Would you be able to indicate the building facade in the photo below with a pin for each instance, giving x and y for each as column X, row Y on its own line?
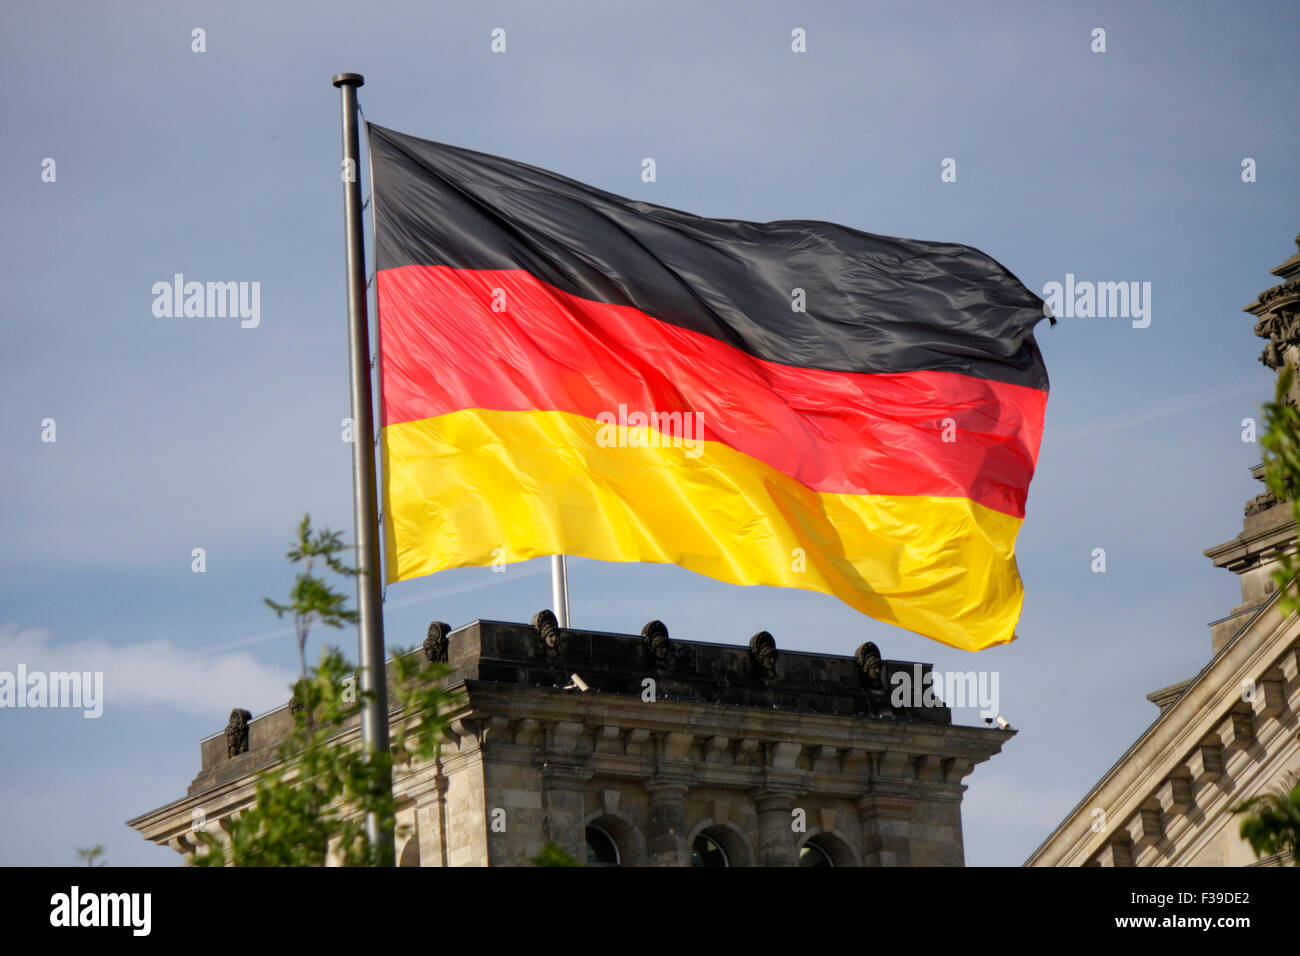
column 647, row 751
column 1230, row 732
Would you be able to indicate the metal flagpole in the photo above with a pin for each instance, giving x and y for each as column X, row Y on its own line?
column 370, row 630
column 560, row 589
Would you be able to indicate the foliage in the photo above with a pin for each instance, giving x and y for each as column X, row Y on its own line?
column 552, row 854
column 315, row 798
column 1281, row 442
column 91, row 853
column 311, row 597
column 1272, row 823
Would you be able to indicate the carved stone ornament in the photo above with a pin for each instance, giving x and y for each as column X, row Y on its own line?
column 548, row 631
column 1282, row 329
column 871, row 668
column 762, row 648
column 237, row 732
column 1278, row 309
column 1260, row 503
column 435, row 645
column 654, row 637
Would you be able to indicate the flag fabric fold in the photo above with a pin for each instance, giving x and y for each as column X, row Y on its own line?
column 566, row 371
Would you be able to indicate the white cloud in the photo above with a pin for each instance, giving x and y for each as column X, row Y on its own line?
column 152, row 673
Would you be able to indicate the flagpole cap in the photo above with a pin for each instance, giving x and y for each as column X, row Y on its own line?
column 349, row 79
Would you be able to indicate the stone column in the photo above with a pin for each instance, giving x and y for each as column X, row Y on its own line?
column 776, row 840
column 563, row 788
column 666, row 838
column 431, row 810
column 564, row 782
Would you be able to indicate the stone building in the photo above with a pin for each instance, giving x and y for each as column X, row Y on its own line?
column 648, row 751
column 1229, row 732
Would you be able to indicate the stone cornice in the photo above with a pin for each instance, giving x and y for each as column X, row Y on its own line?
column 811, row 731
column 517, row 655
column 578, row 736
column 1253, row 543
column 1272, row 297
column 173, row 823
column 1184, row 838
column 1203, row 713
column 572, row 706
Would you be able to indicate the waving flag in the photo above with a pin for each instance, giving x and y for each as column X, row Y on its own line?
column 566, row 371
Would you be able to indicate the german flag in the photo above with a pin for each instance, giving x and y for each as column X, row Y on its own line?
column 566, row 371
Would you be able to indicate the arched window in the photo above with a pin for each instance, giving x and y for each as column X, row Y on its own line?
column 812, row 854
column 719, row 844
column 706, row 851
column 601, row 848
column 826, row 848
column 410, row 853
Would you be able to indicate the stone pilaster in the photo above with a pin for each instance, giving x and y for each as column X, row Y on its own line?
column 431, row 826
column 563, row 788
column 776, row 837
column 564, row 783
column 666, row 836
column 886, row 828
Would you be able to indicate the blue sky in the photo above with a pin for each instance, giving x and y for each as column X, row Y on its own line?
column 176, row 433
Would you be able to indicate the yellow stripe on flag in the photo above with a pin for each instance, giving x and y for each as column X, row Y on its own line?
column 476, row 486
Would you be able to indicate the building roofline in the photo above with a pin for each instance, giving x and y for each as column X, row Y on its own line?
column 1150, row 730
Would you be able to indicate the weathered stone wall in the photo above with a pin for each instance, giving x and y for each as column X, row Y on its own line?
column 761, row 750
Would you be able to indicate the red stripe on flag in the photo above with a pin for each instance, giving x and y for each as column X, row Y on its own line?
column 452, row 339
